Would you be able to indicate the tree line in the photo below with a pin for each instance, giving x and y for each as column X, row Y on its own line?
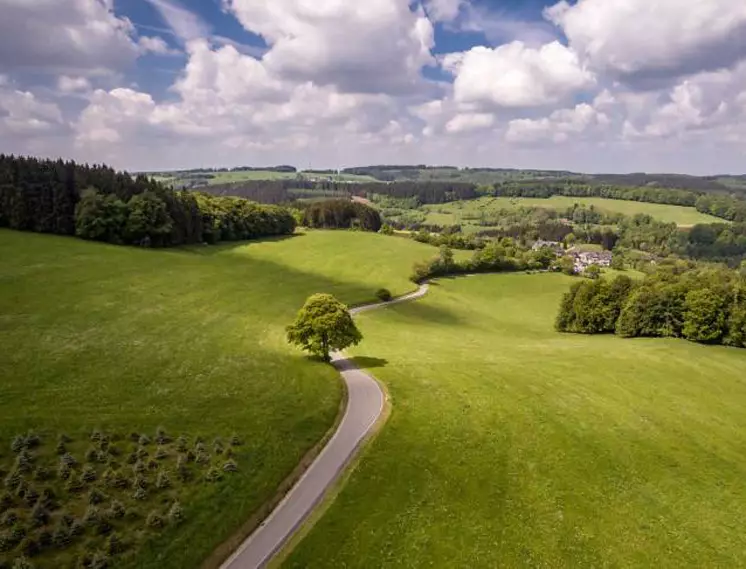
column 504, row 255
column 719, row 205
column 679, row 300
column 99, row 203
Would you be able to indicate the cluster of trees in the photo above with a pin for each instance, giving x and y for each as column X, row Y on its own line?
column 701, row 304
column 341, row 214
column 450, row 237
column 503, row 255
column 719, row 205
column 99, row 203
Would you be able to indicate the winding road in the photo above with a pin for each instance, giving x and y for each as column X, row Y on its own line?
column 365, row 402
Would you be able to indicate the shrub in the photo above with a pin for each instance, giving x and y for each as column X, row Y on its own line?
column 13, row 479
column 91, row 454
column 30, row 495
column 383, row 294
column 139, row 481
column 29, row 546
column 144, row 440
column 162, row 481
column 230, row 466
column 64, row 471
column 139, row 467
column 116, row 510
column 182, row 444
column 6, row 501
column 161, row 437
column 175, row 514
column 88, row 474
column 217, row 447
column 18, row 444
column 61, row 448
column 39, row 515
column 92, row 516
column 68, row 459
column 99, row 560
column 95, row 497
column 202, row 458
column 77, row 528
column 213, row 475
column 182, row 470
column 96, row 435
column 74, row 484
column 42, row 473
column 22, row 563
column 20, row 490
column 153, row 464
column 114, row 545
column 200, row 447
column 9, row 519
column 154, row 520
column 235, row 441
column 160, row 454
column 47, row 498
column 140, row 494
column 61, row 536
column 24, row 461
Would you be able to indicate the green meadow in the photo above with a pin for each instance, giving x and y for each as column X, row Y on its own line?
column 511, row 445
column 464, row 212
column 127, row 340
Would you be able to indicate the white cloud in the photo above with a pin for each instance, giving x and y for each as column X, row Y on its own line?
column 443, row 10
column 68, row 84
column 77, row 35
column 644, row 41
column 466, row 122
column 514, row 75
column 363, row 47
column 560, row 126
column 155, row 45
column 185, row 24
column 22, row 114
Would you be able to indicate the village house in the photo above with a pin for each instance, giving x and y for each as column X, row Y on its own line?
column 555, row 246
column 584, row 259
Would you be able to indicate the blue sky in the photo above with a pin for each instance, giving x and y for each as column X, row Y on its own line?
column 591, row 85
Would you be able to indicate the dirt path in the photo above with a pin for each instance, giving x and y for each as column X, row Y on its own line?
column 365, row 402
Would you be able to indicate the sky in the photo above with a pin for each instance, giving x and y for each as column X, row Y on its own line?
column 584, row 85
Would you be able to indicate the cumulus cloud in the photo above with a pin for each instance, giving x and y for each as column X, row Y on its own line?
column 359, row 47
column 467, row 122
column 156, row 45
column 644, row 42
column 560, row 126
column 515, row 75
column 72, row 84
column 79, row 35
column 185, row 24
column 443, row 10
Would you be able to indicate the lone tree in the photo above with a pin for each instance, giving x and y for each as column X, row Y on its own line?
column 322, row 325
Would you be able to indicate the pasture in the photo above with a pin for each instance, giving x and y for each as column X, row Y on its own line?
column 123, row 340
column 468, row 213
column 511, row 445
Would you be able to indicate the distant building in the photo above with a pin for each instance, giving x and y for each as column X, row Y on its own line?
column 584, row 259
column 555, row 246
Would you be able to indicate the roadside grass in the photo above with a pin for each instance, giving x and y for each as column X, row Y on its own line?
column 510, row 445
column 127, row 340
column 465, row 212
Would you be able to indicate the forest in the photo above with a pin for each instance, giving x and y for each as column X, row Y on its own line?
column 99, row 203
column 705, row 304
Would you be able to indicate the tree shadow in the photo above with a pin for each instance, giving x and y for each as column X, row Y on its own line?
column 426, row 312
column 209, row 250
column 367, row 362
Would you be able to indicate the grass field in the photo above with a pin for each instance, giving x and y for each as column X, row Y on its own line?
column 246, row 175
column 510, row 445
column 126, row 340
column 465, row 211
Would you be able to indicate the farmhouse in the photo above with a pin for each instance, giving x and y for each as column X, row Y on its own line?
column 553, row 245
column 584, row 259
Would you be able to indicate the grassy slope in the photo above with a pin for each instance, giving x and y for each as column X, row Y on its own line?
column 228, row 177
column 127, row 340
column 512, row 446
column 684, row 216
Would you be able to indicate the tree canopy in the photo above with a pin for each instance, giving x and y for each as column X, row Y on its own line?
column 323, row 325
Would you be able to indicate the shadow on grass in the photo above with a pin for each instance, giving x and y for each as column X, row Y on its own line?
column 423, row 311
column 366, row 362
column 208, row 250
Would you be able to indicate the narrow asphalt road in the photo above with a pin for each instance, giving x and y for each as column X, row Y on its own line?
column 364, row 405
